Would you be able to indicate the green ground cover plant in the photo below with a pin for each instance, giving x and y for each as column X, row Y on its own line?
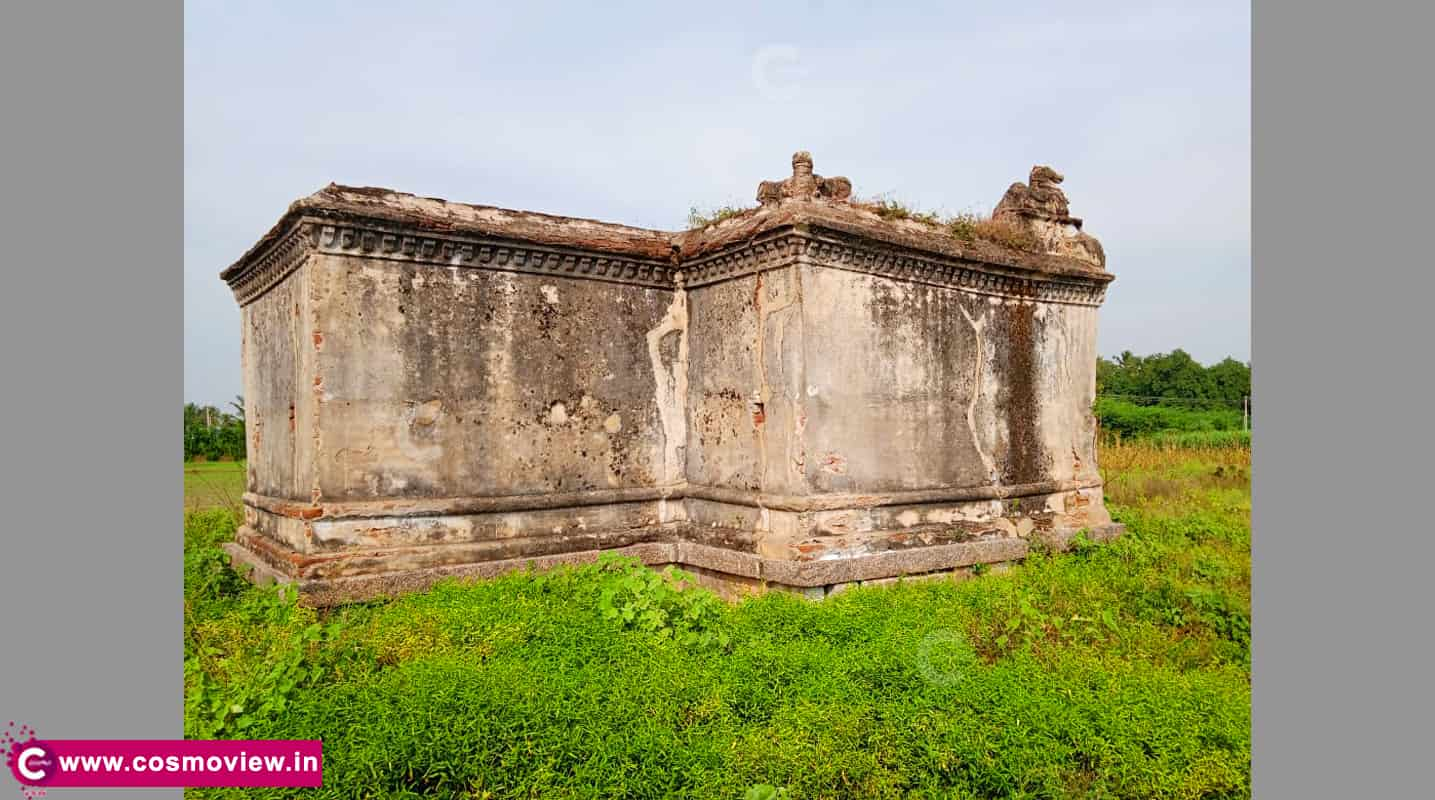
column 1117, row 670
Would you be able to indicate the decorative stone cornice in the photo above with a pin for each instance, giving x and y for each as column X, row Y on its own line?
column 773, row 250
column 394, row 243
column 837, row 250
column 845, row 251
column 267, row 269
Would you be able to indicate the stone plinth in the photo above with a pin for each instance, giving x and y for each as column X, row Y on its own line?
column 805, row 395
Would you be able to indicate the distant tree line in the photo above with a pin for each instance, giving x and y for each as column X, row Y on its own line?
column 1166, row 392
column 1173, row 376
column 212, row 434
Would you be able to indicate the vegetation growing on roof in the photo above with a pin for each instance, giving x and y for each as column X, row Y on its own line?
column 698, row 218
column 965, row 226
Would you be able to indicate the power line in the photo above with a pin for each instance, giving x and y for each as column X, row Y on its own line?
column 1191, row 400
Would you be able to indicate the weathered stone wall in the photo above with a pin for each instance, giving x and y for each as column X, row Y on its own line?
column 805, row 395
column 724, row 447
column 883, row 414
column 456, row 416
column 744, row 397
column 270, row 349
column 893, row 389
column 913, row 386
column 450, row 383
column 745, row 439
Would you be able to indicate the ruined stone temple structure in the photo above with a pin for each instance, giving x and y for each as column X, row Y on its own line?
column 806, row 396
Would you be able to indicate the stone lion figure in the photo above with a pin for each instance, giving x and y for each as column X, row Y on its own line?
column 1040, row 196
column 1040, row 206
column 804, row 184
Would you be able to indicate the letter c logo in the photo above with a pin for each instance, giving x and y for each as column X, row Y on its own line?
column 22, row 763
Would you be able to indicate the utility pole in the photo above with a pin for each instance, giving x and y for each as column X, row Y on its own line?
column 1245, row 412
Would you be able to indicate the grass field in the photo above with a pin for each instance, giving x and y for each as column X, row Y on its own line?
column 213, row 484
column 1120, row 670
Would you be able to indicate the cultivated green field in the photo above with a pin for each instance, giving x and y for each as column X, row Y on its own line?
column 1120, row 670
column 213, row 484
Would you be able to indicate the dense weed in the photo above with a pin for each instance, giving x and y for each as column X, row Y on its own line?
column 1117, row 670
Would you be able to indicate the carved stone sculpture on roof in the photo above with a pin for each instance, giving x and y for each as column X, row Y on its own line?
column 1040, row 206
column 804, row 184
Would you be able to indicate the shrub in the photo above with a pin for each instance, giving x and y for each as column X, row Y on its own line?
column 666, row 603
column 244, row 668
column 247, row 649
column 208, row 577
column 1117, row 416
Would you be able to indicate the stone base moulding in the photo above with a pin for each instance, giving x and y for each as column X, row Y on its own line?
column 345, row 552
column 730, row 573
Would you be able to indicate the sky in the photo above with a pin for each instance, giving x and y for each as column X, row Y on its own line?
column 635, row 113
